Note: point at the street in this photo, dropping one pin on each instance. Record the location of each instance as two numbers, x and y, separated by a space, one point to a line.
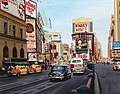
109 79
40 84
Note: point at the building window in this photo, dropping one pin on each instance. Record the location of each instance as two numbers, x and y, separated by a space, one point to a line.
5 52
22 53
14 52
5 27
21 33
13 30
55 35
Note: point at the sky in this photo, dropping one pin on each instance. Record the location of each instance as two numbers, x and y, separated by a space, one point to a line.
61 13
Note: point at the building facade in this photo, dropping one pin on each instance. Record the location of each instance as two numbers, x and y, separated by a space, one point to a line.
12 33
117 20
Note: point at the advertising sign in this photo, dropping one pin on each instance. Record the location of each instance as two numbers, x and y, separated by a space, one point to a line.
30 35
83 55
116 45
31 8
32 56
14 7
115 53
80 27
81 45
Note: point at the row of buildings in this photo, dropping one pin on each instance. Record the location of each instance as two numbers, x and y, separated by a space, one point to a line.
114 38
22 35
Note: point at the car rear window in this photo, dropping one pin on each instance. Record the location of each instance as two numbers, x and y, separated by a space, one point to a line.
78 61
74 61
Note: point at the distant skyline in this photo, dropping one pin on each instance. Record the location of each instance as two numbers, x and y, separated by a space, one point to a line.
61 13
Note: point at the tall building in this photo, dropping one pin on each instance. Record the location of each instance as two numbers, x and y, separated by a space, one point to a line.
117 20
34 32
82 33
111 36
12 32
56 41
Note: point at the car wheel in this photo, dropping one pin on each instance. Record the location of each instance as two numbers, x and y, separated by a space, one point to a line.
18 74
70 77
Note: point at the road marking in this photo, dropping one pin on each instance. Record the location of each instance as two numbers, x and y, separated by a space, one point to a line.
34 89
16 84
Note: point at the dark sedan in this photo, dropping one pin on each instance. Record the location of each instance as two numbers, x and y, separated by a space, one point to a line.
59 72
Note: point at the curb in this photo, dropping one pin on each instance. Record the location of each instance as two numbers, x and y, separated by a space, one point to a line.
97 85
3 76
85 88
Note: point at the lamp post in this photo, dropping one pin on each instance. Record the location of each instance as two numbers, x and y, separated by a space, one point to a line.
45 58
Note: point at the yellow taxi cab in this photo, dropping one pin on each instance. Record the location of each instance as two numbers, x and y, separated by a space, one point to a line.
18 70
116 66
37 68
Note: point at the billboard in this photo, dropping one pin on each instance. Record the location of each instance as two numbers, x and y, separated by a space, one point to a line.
31 8
31 35
80 27
115 53
32 57
116 45
14 7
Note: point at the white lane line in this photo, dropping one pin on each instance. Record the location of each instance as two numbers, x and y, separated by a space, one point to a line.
35 88
16 84
31 88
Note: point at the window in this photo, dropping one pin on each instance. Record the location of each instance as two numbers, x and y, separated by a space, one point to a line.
21 33
22 53
5 52
55 35
14 30
5 27
14 52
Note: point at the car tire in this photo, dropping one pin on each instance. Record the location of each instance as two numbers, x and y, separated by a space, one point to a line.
51 80
18 74
70 77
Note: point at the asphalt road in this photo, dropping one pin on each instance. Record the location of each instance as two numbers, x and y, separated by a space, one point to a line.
109 79
40 84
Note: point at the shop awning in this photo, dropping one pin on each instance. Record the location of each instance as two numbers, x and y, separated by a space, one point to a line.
21 62
7 61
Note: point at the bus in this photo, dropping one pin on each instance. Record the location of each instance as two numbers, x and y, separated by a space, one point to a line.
77 65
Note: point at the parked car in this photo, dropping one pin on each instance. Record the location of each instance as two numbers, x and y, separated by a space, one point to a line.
116 66
17 71
59 72
38 68
31 70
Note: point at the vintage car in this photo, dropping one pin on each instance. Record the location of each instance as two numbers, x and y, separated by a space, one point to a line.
59 72
17 71
31 70
37 68
116 66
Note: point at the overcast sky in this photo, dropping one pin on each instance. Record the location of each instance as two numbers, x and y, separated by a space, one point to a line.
61 13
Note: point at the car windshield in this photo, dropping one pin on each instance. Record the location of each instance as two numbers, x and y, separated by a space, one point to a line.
58 68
